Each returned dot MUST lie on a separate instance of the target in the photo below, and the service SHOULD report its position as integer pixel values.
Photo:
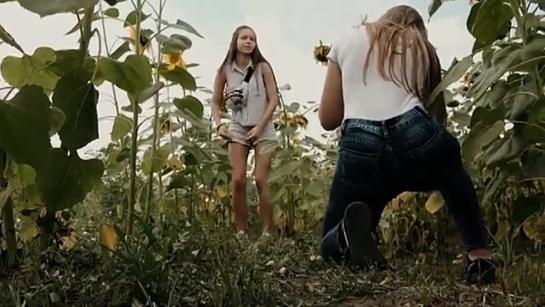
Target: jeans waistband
(413, 115)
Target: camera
(238, 97)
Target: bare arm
(217, 97)
(272, 94)
(331, 110)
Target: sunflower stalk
(103, 23)
(155, 121)
(134, 139)
(86, 30)
(7, 211)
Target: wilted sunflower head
(321, 52)
(144, 39)
(285, 118)
(166, 126)
(175, 164)
(300, 120)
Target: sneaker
(480, 271)
(357, 231)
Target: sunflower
(300, 120)
(166, 126)
(221, 192)
(321, 52)
(175, 164)
(144, 41)
(286, 118)
(173, 60)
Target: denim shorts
(238, 132)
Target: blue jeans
(411, 152)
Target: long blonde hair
(398, 34)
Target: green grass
(212, 268)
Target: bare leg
(238, 155)
(262, 169)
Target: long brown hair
(257, 56)
(397, 35)
(231, 55)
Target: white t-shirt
(379, 99)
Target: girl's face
(246, 41)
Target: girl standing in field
(245, 84)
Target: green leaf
(67, 59)
(77, 97)
(30, 70)
(533, 49)
(68, 180)
(493, 186)
(130, 20)
(6, 37)
(26, 174)
(191, 104)
(180, 76)
(24, 125)
(130, 108)
(293, 107)
(50, 7)
(121, 50)
(480, 136)
(314, 189)
(122, 126)
(435, 202)
(455, 73)
(511, 148)
(497, 93)
(461, 118)
(526, 206)
(178, 181)
(112, 12)
(434, 6)
(28, 229)
(113, 2)
(56, 119)
(485, 116)
(533, 163)
(182, 25)
(489, 20)
(157, 161)
(133, 75)
(175, 43)
(150, 92)
(498, 69)
(78, 25)
(285, 169)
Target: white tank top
(379, 99)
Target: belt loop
(423, 111)
(385, 131)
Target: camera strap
(249, 74)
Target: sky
(287, 31)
